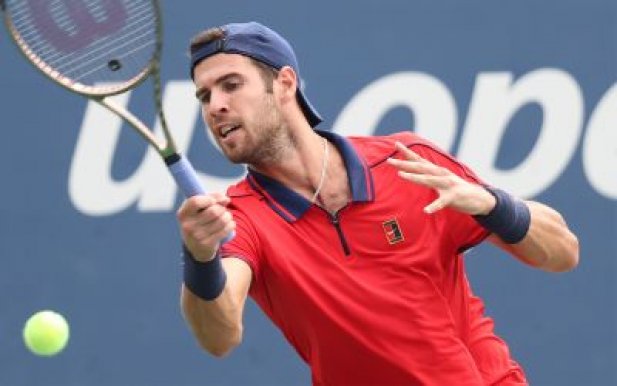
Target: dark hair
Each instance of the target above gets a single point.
(267, 72)
(205, 37)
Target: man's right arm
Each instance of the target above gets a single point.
(217, 323)
(213, 298)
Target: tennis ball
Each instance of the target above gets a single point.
(46, 333)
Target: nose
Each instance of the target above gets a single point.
(218, 104)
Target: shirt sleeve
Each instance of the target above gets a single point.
(245, 244)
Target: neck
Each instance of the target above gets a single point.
(324, 167)
(301, 165)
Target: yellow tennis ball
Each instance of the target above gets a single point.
(46, 333)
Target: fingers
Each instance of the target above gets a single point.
(221, 198)
(444, 185)
(451, 190)
(407, 152)
(431, 181)
(416, 169)
(414, 163)
(436, 205)
(207, 231)
(204, 222)
(200, 203)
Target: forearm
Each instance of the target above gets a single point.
(217, 322)
(548, 245)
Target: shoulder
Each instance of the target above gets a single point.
(244, 198)
(376, 149)
(247, 202)
(240, 189)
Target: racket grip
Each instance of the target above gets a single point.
(187, 180)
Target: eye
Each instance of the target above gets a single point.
(204, 97)
(231, 85)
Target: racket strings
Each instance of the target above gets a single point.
(118, 43)
(102, 46)
(115, 56)
(97, 63)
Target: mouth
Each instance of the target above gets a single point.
(225, 130)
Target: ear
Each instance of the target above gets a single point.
(287, 82)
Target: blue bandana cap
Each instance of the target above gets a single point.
(262, 44)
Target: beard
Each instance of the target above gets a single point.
(266, 137)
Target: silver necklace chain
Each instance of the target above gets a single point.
(324, 165)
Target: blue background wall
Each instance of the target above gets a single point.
(113, 267)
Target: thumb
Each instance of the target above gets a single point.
(220, 198)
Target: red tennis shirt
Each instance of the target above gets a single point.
(375, 294)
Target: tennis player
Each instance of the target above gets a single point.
(353, 247)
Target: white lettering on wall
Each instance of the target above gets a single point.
(497, 97)
(600, 146)
(495, 101)
(428, 98)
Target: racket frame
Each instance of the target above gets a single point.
(180, 168)
(102, 93)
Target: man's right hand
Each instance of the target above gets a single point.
(204, 222)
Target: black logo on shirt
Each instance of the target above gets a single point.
(393, 231)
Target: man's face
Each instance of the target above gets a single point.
(239, 108)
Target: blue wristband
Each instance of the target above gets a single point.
(509, 219)
(205, 280)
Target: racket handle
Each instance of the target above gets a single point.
(187, 180)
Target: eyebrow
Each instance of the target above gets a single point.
(201, 91)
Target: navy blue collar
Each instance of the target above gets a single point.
(291, 206)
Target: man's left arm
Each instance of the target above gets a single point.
(532, 232)
(548, 243)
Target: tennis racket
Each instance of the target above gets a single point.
(101, 48)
